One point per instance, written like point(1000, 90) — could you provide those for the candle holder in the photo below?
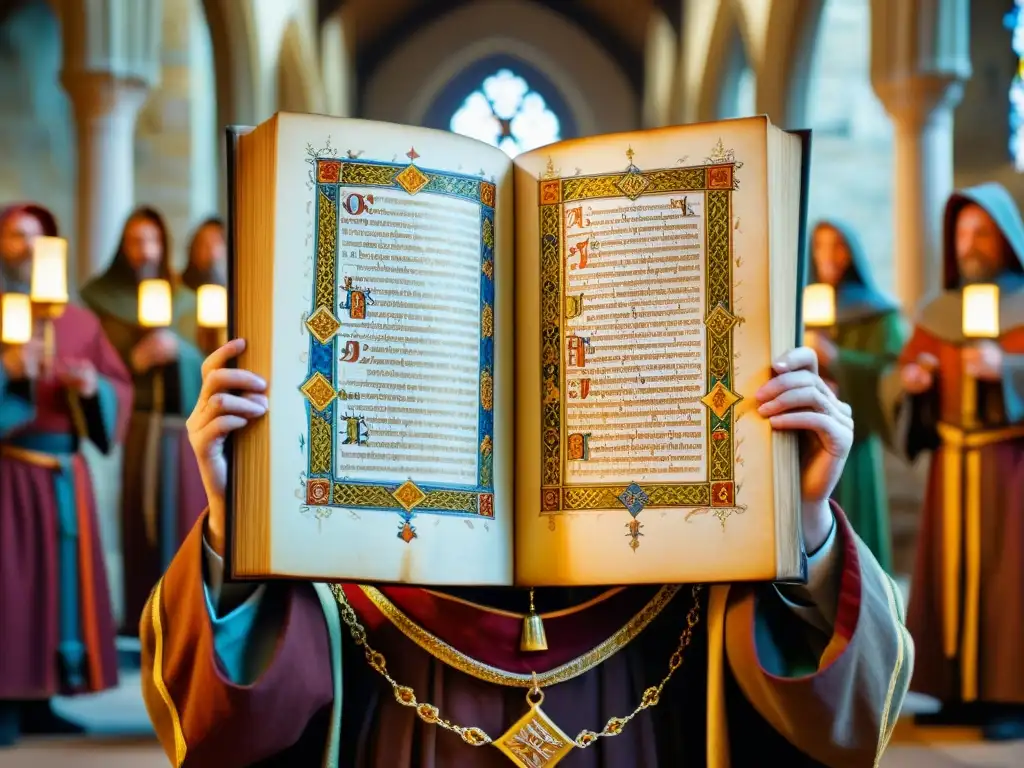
point(820, 310)
point(980, 320)
point(49, 291)
point(156, 311)
point(211, 317)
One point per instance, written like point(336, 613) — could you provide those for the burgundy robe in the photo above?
point(56, 625)
point(753, 688)
point(966, 608)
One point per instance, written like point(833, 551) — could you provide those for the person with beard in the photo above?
point(966, 609)
point(56, 624)
point(207, 256)
point(161, 491)
point(298, 674)
point(863, 345)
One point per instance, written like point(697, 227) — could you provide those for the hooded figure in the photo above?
point(860, 349)
point(56, 625)
point(161, 490)
point(964, 399)
point(207, 256)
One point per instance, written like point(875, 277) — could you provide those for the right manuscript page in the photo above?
point(642, 333)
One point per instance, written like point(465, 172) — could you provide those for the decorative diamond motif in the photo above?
point(720, 321)
point(534, 741)
point(412, 179)
point(633, 184)
point(408, 495)
point(323, 324)
point(720, 399)
point(634, 499)
point(318, 391)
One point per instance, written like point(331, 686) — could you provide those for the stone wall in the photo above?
point(166, 175)
point(36, 129)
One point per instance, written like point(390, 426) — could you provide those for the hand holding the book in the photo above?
point(230, 399)
point(797, 398)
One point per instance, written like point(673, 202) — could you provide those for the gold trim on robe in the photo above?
point(180, 745)
point(447, 654)
point(961, 529)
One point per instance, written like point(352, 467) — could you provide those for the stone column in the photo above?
point(111, 60)
point(105, 109)
point(920, 57)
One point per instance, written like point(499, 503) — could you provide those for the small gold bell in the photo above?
point(533, 638)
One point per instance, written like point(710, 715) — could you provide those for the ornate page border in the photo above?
point(717, 179)
point(322, 385)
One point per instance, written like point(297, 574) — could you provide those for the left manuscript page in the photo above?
point(391, 395)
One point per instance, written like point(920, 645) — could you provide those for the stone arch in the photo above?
point(37, 121)
point(785, 73)
point(236, 60)
point(297, 77)
point(853, 135)
point(597, 92)
point(728, 55)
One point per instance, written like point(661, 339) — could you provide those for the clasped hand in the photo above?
point(159, 347)
point(25, 361)
point(983, 361)
point(796, 399)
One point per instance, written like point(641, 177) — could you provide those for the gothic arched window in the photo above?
point(1015, 23)
point(506, 112)
point(505, 102)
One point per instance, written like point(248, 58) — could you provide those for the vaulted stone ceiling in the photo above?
point(618, 25)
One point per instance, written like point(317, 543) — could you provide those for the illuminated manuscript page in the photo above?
point(614, 471)
point(405, 475)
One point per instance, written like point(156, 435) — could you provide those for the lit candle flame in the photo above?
point(819, 305)
point(50, 270)
point(154, 303)
point(212, 306)
point(981, 311)
point(16, 318)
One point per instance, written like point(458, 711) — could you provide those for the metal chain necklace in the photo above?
point(534, 741)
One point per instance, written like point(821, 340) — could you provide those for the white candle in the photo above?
point(50, 270)
point(212, 306)
point(154, 303)
point(819, 305)
point(16, 318)
point(981, 311)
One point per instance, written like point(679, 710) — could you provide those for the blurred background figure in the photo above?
point(861, 345)
point(161, 492)
point(58, 388)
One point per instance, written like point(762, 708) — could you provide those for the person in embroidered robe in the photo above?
point(56, 625)
point(238, 675)
point(966, 611)
point(161, 486)
point(854, 355)
point(207, 256)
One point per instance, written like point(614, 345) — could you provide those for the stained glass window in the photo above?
point(1015, 23)
point(505, 112)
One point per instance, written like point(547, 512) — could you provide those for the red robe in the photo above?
point(752, 689)
point(966, 611)
point(56, 625)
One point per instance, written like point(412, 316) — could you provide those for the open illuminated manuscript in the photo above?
point(531, 372)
